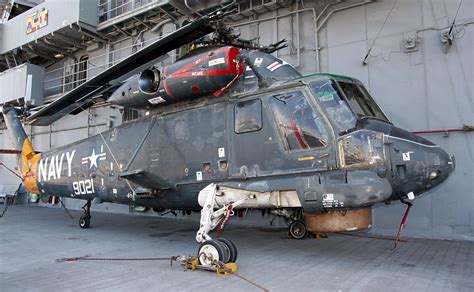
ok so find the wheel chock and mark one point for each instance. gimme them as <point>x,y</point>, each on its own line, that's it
<point>191,265</point>
<point>227,269</point>
<point>221,269</point>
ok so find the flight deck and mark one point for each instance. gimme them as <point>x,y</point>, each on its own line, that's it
<point>35,241</point>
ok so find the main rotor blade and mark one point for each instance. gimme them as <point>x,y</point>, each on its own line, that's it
<point>79,98</point>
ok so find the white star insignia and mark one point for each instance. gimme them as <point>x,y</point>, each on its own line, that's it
<point>93,159</point>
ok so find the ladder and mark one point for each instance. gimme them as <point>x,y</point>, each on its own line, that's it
<point>5,9</point>
<point>11,60</point>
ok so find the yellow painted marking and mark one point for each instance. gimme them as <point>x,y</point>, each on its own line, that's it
<point>29,165</point>
<point>305,158</point>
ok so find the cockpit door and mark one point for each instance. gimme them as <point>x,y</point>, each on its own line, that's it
<point>305,133</point>
<point>279,133</point>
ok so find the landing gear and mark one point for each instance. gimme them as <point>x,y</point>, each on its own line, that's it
<point>402,224</point>
<point>297,230</point>
<point>220,249</point>
<point>217,250</point>
<point>230,248</point>
<point>211,252</point>
<point>294,218</point>
<point>85,220</point>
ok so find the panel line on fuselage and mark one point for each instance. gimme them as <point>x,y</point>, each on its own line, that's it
<point>417,143</point>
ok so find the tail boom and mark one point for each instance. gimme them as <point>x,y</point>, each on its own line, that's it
<point>28,157</point>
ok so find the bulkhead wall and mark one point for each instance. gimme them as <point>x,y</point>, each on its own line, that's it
<point>426,87</point>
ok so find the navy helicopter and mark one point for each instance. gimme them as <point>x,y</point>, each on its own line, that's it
<point>232,127</point>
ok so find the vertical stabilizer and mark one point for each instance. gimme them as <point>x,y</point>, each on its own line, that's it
<point>28,157</point>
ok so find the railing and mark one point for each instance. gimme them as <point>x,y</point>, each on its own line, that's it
<point>68,77</point>
<point>109,9</point>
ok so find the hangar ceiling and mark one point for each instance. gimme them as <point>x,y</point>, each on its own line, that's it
<point>115,20</point>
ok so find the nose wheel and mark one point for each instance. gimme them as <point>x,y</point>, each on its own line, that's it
<point>85,220</point>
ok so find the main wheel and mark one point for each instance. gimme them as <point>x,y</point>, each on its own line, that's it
<point>297,229</point>
<point>211,251</point>
<point>231,248</point>
<point>85,221</point>
<point>226,251</point>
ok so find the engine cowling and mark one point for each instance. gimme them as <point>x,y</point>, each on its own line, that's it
<point>149,80</point>
<point>204,74</point>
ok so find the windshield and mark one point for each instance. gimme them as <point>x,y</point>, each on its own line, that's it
<point>343,101</point>
<point>336,107</point>
<point>360,100</point>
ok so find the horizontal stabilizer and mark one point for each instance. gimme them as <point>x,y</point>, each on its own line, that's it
<point>80,97</point>
<point>145,179</point>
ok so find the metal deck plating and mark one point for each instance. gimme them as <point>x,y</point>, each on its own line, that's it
<point>32,239</point>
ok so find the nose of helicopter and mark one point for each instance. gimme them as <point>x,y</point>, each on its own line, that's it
<point>418,164</point>
<point>438,171</point>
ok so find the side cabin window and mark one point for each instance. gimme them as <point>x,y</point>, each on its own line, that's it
<point>248,116</point>
<point>299,125</point>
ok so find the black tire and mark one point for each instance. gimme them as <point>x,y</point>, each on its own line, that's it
<point>230,245</point>
<point>210,251</point>
<point>85,221</point>
<point>298,230</point>
<point>226,249</point>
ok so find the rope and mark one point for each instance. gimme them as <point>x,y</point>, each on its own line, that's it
<point>223,267</point>
<point>9,201</point>
<point>7,204</point>
<point>250,282</point>
<point>183,259</point>
<point>372,236</point>
<point>65,208</point>
<point>378,34</point>
<point>11,170</point>
<point>87,258</point>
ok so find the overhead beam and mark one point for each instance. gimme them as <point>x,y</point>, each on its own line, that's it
<point>90,34</point>
<point>143,23</point>
<point>49,45</point>
<point>122,31</point>
<point>30,49</point>
<point>68,40</point>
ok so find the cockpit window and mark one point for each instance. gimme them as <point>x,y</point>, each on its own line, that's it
<point>336,107</point>
<point>339,100</point>
<point>360,101</point>
<point>299,125</point>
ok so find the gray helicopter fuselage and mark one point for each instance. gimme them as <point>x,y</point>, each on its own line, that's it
<point>282,138</point>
